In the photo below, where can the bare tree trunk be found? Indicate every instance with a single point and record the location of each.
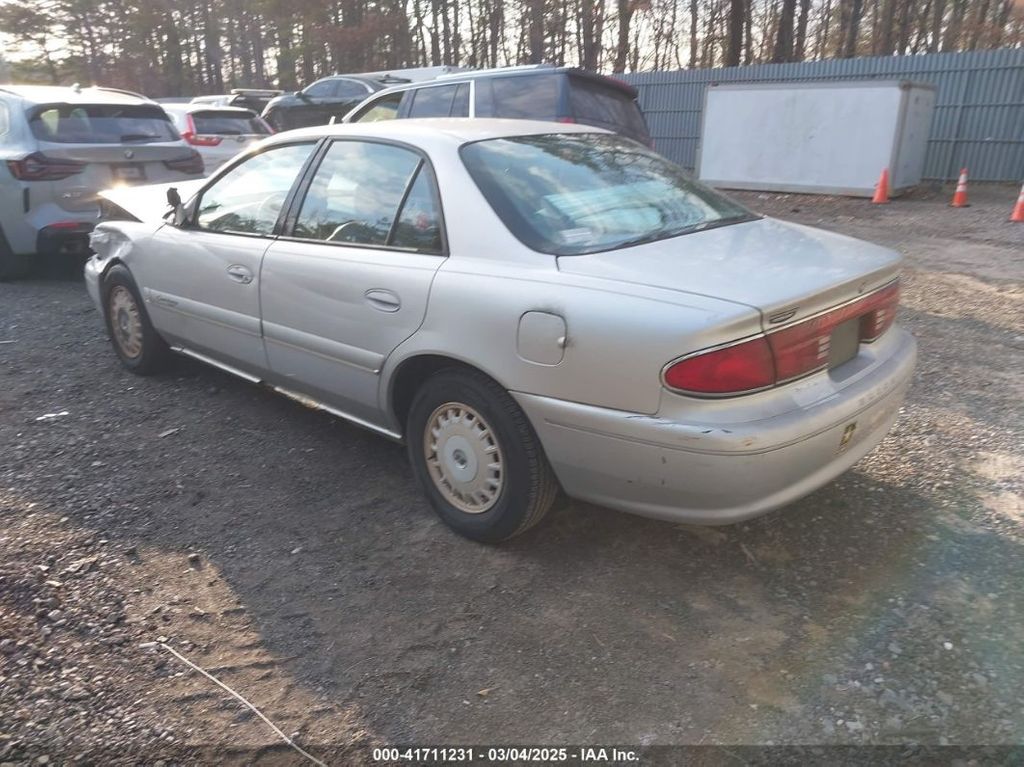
(784, 35)
(800, 51)
(625, 16)
(693, 34)
(737, 18)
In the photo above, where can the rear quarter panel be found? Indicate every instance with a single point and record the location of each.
(616, 343)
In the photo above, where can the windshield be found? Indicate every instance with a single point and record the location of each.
(102, 124)
(569, 194)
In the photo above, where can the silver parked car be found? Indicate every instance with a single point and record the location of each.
(530, 307)
(59, 147)
(218, 133)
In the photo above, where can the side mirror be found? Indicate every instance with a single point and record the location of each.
(177, 209)
(302, 95)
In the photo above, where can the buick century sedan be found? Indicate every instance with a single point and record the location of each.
(532, 308)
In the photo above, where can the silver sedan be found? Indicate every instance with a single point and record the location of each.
(534, 309)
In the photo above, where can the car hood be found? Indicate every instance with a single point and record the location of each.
(149, 203)
(783, 270)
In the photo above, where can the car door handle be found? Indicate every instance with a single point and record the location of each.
(239, 273)
(383, 300)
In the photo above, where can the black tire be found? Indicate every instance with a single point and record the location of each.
(528, 487)
(153, 354)
(12, 265)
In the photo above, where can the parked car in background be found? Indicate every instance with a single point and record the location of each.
(59, 147)
(529, 307)
(217, 133)
(331, 98)
(531, 92)
(255, 99)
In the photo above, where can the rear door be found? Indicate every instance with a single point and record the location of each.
(349, 280)
(201, 282)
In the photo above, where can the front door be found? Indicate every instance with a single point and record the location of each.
(202, 280)
(349, 281)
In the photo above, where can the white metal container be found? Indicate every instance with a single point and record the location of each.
(821, 137)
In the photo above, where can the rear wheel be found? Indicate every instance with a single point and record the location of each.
(138, 345)
(13, 266)
(477, 457)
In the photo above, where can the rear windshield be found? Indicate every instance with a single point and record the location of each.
(569, 194)
(102, 124)
(229, 124)
(607, 107)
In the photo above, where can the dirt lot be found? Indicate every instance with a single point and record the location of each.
(291, 555)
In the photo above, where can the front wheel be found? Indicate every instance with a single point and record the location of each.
(138, 345)
(477, 457)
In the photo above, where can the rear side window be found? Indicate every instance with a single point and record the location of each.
(365, 193)
(434, 101)
(320, 90)
(350, 89)
(527, 96)
(102, 124)
(606, 107)
(229, 124)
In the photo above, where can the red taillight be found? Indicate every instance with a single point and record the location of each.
(197, 139)
(569, 120)
(38, 167)
(200, 140)
(733, 369)
(784, 354)
(191, 164)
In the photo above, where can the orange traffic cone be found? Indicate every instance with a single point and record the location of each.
(960, 195)
(882, 189)
(1018, 209)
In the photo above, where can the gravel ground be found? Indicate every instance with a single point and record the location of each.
(290, 555)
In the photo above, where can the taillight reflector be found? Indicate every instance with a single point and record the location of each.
(782, 355)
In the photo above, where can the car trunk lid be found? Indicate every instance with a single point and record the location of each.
(787, 272)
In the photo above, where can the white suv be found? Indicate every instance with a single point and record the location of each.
(218, 133)
(59, 147)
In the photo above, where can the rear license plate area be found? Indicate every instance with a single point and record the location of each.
(844, 343)
(128, 172)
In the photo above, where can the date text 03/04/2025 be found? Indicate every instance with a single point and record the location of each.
(590, 754)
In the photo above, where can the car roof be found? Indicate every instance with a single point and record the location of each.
(451, 130)
(202, 106)
(519, 71)
(49, 94)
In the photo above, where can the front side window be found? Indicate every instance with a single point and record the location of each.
(384, 108)
(460, 107)
(102, 124)
(575, 193)
(249, 197)
(435, 101)
(358, 196)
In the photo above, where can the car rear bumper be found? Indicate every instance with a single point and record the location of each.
(69, 237)
(716, 470)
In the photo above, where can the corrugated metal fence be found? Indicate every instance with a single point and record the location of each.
(979, 113)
